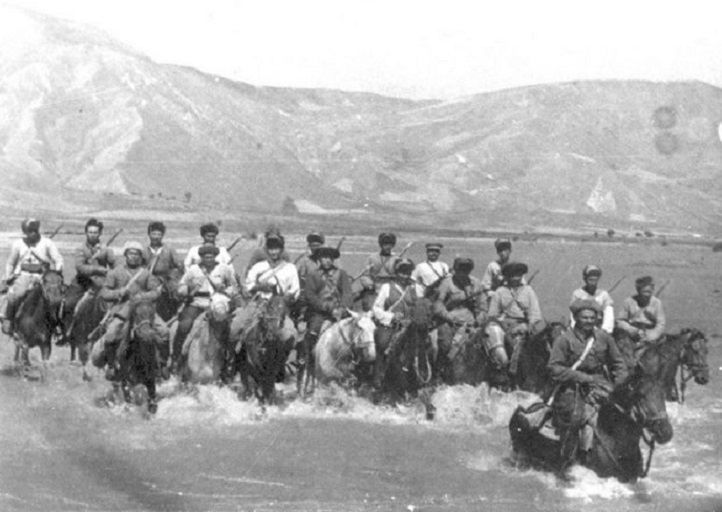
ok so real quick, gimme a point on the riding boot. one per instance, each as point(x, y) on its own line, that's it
point(8, 323)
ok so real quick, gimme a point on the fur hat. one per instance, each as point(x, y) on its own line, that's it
point(327, 252)
point(208, 249)
point(463, 263)
point(315, 237)
point(156, 226)
point(132, 245)
point(582, 304)
point(274, 240)
point(387, 238)
point(502, 243)
point(514, 268)
point(643, 282)
point(209, 228)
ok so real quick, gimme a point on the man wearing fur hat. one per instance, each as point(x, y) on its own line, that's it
point(198, 286)
point(493, 278)
point(579, 361)
point(125, 286)
point(379, 269)
point(328, 296)
point(460, 305)
point(264, 279)
point(642, 316)
point(29, 258)
point(514, 315)
point(261, 253)
point(165, 264)
point(209, 233)
point(591, 291)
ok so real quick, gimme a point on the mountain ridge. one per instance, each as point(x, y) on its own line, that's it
point(86, 115)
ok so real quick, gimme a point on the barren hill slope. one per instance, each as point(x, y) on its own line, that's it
point(84, 116)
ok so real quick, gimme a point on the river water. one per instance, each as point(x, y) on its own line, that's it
point(63, 448)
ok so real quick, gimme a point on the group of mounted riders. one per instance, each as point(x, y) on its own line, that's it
point(501, 309)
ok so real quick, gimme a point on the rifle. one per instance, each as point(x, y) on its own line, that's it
point(57, 230)
point(368, 267)
point(340, 243)
point(112, 238)
point(661, 289)
point(531, 278)
point(110, 311)
point(235, 242)
point(616, 284)
point(406, 248)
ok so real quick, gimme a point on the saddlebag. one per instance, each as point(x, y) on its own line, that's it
point(534, 417)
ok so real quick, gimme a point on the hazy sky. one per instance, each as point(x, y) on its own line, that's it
point(415, 48)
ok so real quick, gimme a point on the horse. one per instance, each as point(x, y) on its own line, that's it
point(38, 316)
point(82, 331)
point(634, 411)
point(206, 350)
point(686, 351)
point(262, 356)
point(404, 368)
point(142, 363)
point(341, 346)
point(168, 303)
point(471, 364)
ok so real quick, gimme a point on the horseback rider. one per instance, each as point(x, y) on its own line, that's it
point(328, 297)
point(266, 278)
point(124, 286)
point(29, 258)
point(93, 260)
point(379, 269)
point(581, 360)
point(591, 291)
point(460, 305)
point(165, 264)
point(209, 233)
point(198, 284)
point(642, 315)
point(493, 277)
point(308, 261)
point(514, 315)
point(428, 274)
point(262, 253)
point(395, 301)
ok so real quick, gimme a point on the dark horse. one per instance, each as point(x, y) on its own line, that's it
point(471, 364)
point(262, 356)
point(80, 331)
point(141, 365)
point(404, 367)
point(38, 316)
point(686, 351)
point(635, 408)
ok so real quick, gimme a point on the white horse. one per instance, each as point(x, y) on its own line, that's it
point(341, 345)
point(204, 352)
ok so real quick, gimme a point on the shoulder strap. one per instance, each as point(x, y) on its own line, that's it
point(587, 349)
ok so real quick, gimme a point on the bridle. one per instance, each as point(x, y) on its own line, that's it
point(689, 364)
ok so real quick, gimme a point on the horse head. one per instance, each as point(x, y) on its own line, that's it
point(643, 396)
point(362, 338)
point(220, 308)
point(694, 355)
point(53, 288)
point(142, 319)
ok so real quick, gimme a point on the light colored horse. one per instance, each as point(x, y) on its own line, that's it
point(340, 346)
point(205, 347)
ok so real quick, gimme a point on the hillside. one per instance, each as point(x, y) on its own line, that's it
point(90, 123)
